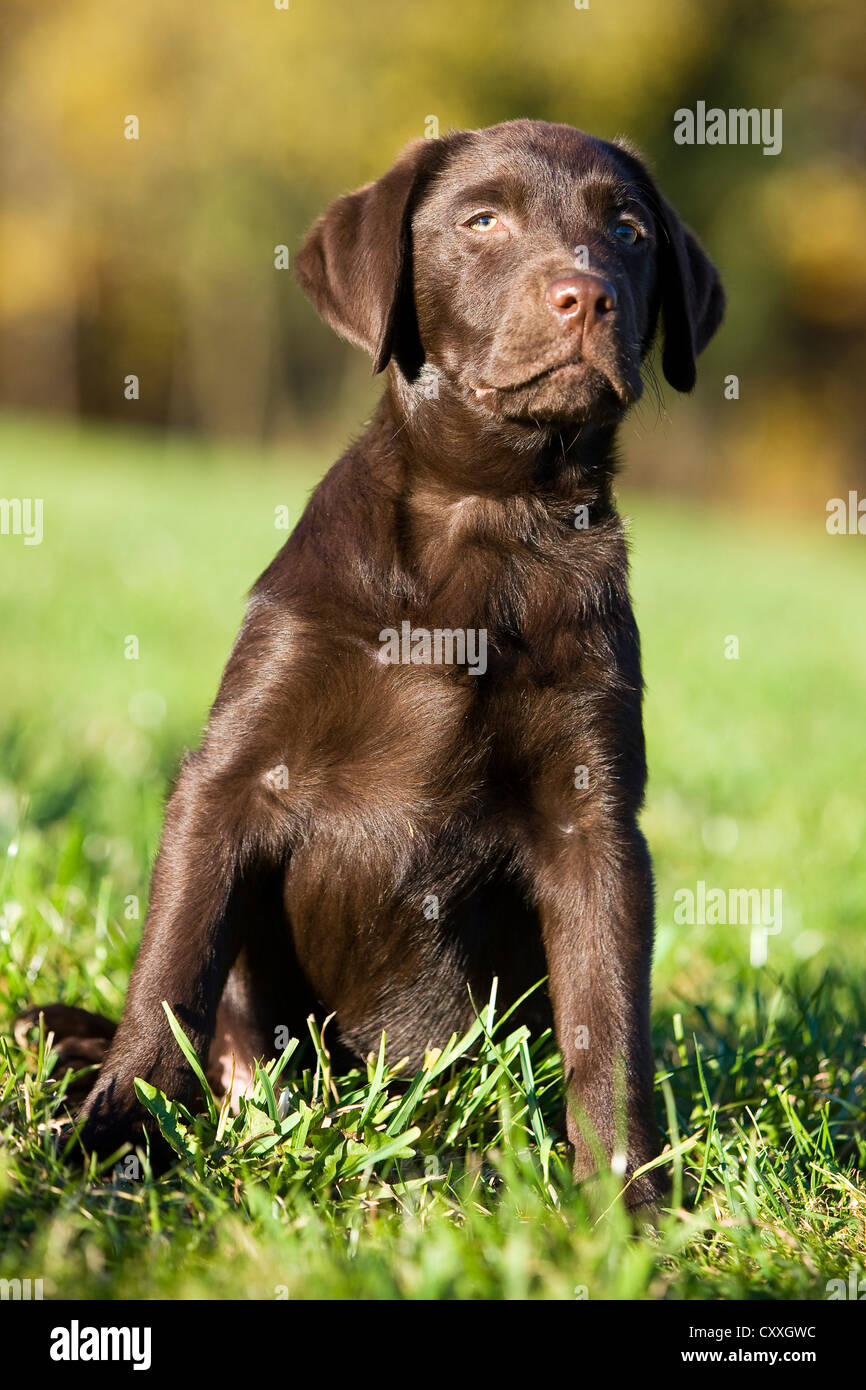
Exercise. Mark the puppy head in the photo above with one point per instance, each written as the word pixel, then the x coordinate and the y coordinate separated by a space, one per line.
pixel 527 264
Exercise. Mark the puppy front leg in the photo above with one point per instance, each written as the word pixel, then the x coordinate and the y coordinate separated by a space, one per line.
pixel 595 896
pixel 191 937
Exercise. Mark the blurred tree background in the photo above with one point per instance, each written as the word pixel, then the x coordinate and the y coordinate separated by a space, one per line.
pixel 155 256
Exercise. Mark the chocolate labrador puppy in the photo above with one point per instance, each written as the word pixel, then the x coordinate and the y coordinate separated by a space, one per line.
pixel 426 759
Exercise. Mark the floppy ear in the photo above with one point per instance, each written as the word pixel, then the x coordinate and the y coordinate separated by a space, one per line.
pixel 692 298
pixel 356 257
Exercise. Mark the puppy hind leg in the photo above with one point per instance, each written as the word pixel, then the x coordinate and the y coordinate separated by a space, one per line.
pixel 81 1041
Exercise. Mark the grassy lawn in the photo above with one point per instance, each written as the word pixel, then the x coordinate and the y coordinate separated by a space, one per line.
pixel 455 1186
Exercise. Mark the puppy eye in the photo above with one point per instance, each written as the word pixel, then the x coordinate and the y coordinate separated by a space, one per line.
pixel 627 232
pixel 484 222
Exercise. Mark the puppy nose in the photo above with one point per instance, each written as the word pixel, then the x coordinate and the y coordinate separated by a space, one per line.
pixel 586 298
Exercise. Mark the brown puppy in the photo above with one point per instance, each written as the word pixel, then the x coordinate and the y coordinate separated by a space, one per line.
pixel 426 759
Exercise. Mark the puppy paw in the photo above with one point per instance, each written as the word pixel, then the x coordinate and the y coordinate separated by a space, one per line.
pixel 112 1116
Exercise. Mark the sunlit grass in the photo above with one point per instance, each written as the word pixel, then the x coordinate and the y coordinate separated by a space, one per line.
pixel 756 770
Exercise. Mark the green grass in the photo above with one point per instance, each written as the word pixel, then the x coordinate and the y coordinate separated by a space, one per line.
pixel 454 1184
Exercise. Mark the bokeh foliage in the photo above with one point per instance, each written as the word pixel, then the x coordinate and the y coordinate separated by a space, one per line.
pixel 156 257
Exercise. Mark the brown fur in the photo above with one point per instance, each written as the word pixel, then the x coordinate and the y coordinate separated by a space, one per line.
pixel 333 793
